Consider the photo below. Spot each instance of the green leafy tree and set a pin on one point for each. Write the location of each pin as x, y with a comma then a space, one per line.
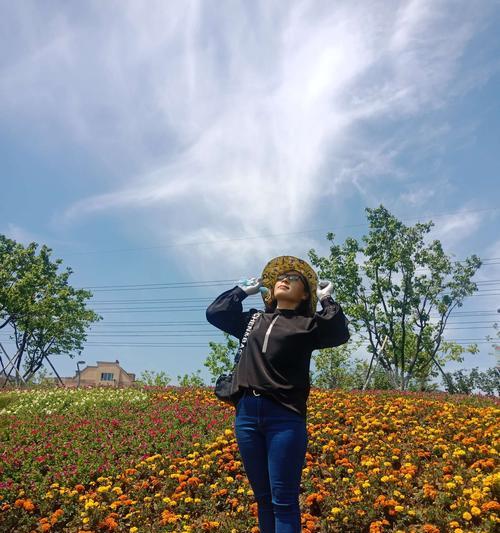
467, 382
364, 376
495, 343
333, 368
152, 378
191, 380
405, 289
39, 310
220, 360
43, 379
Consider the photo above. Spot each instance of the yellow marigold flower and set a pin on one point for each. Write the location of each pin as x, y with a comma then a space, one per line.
454, 523
475, 511
458, 530
90, 503
104, 488
86, 520
336, 510
399, 508
467, 516
134, 529
229, 479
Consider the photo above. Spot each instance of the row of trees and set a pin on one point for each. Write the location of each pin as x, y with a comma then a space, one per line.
397, 287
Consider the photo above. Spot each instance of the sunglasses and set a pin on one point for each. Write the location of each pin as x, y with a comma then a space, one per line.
290, 277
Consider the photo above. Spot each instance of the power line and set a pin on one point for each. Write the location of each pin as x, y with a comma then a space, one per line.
272, 235
209, 298
212, 283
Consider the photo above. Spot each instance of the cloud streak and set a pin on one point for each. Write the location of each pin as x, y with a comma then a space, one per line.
239, 121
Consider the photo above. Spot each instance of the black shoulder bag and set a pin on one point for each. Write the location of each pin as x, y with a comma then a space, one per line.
224, 383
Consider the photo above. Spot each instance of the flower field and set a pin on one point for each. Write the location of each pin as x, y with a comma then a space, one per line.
165, 460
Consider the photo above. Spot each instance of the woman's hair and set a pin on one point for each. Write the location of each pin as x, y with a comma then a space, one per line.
304, 308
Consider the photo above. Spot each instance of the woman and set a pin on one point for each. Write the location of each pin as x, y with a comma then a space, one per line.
272, 379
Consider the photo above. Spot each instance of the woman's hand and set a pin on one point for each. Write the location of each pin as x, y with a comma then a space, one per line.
324, 289
251, 285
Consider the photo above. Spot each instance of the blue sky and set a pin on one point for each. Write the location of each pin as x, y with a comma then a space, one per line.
174, 142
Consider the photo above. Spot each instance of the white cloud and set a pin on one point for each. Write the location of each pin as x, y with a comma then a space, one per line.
19, 234
453, 229
223, 123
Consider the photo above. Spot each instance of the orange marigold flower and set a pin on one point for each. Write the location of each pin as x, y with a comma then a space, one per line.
27, 504
429, 528
108, 523
79, 488
167, 517
207, 526
194, 481
490, 506
314, 498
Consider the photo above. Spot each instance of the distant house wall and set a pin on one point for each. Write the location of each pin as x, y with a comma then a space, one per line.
105, 373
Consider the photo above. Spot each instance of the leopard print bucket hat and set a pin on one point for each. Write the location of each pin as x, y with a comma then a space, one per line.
286, 263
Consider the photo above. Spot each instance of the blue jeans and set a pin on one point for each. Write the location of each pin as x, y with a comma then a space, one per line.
272, 440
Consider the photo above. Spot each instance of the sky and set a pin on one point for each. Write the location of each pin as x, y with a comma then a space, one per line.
160, 143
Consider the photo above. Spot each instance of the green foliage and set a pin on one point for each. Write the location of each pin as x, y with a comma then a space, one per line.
151, 378
463, 382
191, 380
41, 379
333, 368
220, 360
336, 370
495, 342
392, 294
39, 309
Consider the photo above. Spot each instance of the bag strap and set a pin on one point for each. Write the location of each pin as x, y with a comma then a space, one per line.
243, 342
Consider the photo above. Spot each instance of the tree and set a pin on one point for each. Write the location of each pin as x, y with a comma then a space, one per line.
405, 290
151, 378
42, 378
40, 311
193, 380
220, 360
466, 383
333, 368
495, 342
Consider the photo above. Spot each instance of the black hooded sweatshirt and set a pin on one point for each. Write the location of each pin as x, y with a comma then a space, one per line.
279, 366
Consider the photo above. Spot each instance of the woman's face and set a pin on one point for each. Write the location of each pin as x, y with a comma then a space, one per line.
292, 291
